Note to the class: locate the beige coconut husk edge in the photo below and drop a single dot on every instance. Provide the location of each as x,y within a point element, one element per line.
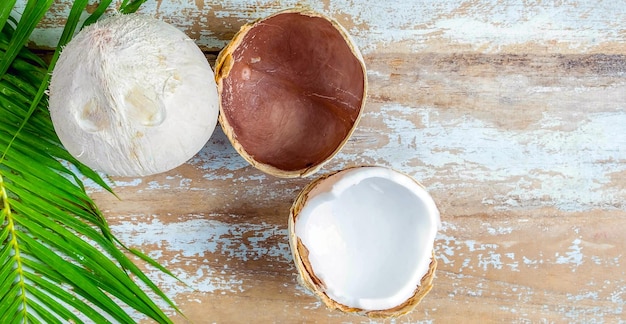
<point>307,278</point>
<point>223,65</point>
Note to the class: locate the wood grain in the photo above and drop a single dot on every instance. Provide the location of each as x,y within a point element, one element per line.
<point>399,26</point>
<point>511,114</point>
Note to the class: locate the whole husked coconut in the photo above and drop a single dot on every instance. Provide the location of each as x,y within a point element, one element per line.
<point>132,96</point>
<point>292,87</point>
<point>363,239</point>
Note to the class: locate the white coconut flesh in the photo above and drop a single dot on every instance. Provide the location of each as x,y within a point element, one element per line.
<point>131,95</point>
<point>369,233</point>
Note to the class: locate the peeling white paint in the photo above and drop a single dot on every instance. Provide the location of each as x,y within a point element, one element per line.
<point>498,230</point>
<point>195,241</point>
<point>474,151</point>
<point>487,257</point>
<point>127,183</point>
<point>589,295</point>
<point>511,22</point>
<point>218,156</point>
<point>201,243</point>
<point>197,235</point>
<point>574,256</point>
<point>486,25</point>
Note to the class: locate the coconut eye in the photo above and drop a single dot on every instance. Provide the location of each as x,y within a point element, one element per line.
<point>91,117</point>
<point>145,107</point>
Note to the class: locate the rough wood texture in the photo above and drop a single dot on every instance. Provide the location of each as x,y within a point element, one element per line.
<point>511,114</point>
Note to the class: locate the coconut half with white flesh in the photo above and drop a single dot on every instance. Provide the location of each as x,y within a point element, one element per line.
<point>292,88</point>
<point>132,96</point>
<point>362,240</point>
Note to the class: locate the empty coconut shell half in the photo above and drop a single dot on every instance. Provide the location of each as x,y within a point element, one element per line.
<point>363,239</point>
<point>291,89</point>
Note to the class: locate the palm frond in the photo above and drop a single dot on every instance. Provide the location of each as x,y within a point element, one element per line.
<point>5,12</point>
<point>58,257</point>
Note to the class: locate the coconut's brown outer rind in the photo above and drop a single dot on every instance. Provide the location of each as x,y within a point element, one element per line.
<point>308,279</point>
<point>223,66</point>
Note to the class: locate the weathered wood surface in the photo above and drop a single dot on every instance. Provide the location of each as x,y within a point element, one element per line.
<point>512,115</point>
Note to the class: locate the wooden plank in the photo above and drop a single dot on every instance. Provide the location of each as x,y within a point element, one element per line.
<point>510,113</point>
<point>448,26</point>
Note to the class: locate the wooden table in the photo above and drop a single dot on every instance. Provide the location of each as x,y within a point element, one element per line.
<point>511,114</point>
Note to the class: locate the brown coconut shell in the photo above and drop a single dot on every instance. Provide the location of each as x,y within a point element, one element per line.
<point>307,278</point>
<point>291,87</point>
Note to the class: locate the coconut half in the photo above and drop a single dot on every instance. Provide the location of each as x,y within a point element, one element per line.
<point>362,240</point>
<point>132,96</point>
<point>292,87</point>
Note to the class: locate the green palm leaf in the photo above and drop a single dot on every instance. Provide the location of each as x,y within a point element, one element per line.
<point>58,257</point>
